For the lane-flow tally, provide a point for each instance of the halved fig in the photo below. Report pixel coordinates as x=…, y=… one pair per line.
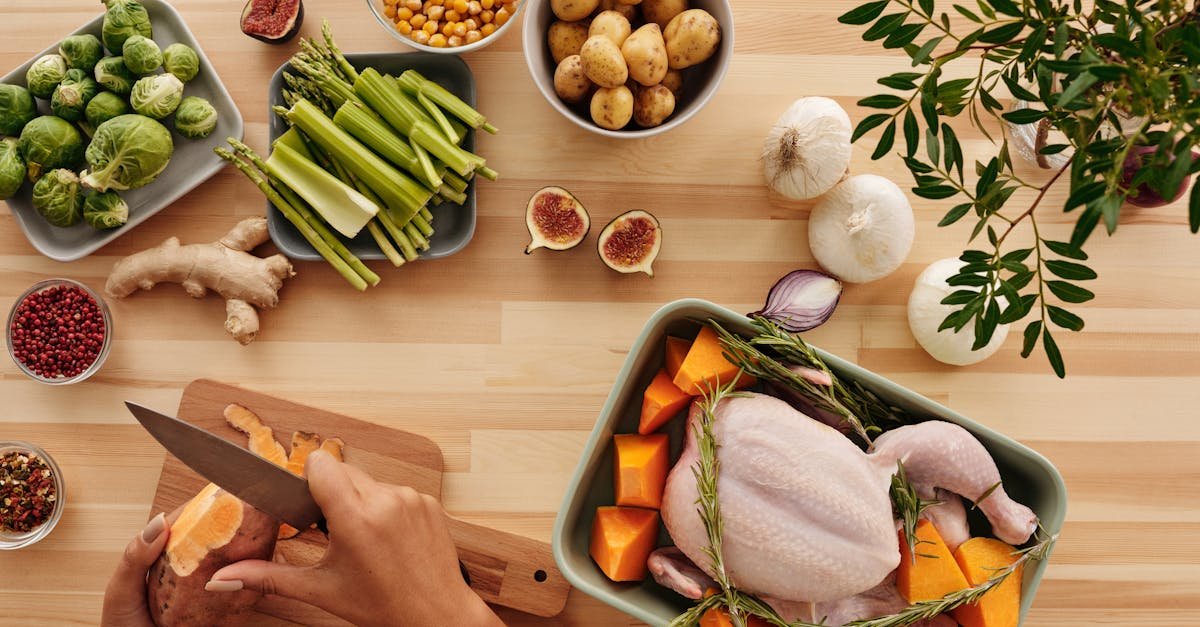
x=272, y=21
x=630, y=242
x=556, y=220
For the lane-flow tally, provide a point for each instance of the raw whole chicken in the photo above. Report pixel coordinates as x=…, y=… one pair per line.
x=807, y=515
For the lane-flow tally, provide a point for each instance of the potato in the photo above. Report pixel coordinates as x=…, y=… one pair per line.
x=662, y=11
x=570, y=81
x=610, y=24
x=691, y=38
x=566, y=38
x=210, y=532
x=652, y=105
x=612, y=107
x=645, y=55
x=628, y=10
x=573, y=10
x=603, y=63
x=673, y=80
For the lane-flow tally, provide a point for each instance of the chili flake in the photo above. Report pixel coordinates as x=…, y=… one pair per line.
x=27, y=492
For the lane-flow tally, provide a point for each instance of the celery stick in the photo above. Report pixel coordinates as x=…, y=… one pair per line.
x=427, y=214
x=439, y=118
x=426, y=164
x=456, y=182
x=346, y=210
x=448, y=193
x=294, y=140
x=317, y=225
x=356, y=120
x=414, y=234
x=384, y=245
x=397, y=233
x=413, y=83
x=422, y=225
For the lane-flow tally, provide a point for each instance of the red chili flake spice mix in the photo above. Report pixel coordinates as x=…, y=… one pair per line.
x=27, y=493
x=58, y=332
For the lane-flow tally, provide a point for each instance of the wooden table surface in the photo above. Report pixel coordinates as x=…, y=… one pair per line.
x=505, y=359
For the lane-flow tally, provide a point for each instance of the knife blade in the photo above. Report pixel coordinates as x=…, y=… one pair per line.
x=250, y=477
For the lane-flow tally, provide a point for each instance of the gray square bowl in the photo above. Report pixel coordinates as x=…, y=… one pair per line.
x=1028, y=477
x=192, y=163
x=453, y=225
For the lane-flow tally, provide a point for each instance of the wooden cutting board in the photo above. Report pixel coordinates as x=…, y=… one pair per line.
x=505, y=569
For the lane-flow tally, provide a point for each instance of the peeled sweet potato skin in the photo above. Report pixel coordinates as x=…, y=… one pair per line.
x=177, y=601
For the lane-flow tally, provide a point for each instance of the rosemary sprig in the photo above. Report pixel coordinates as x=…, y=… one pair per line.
x=860, y=408
x=908, y=506
x=924, y=610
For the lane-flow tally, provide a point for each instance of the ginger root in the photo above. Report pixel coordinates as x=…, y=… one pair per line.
x=225, y=267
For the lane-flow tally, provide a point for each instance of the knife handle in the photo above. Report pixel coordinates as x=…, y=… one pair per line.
x=510, y=570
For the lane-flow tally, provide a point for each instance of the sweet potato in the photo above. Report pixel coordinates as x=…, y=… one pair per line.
x=705, y=366
x=979, y=559
x=209, y=532
x=262, y=438
x=303, y=443
x=933, y=573
x=622, y=539
x=640, y=468
x=661, y=402
x=677, y=349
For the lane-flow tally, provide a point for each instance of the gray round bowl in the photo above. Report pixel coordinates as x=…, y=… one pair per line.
x=700, y=82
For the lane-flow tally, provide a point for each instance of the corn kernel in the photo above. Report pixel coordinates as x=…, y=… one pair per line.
x=413, y=5
x=486, y=17
x=404, y=28
x=420, y=37
x=487, y=29
x=502, y=16
x=436, y=13
x=473, y=36
x=487, y=4
x=474, y=8
x=454, y=41
x=436, y=3
x=418, y=20
x=430, y=27
x=453, y=16
x=390, y=11
x=404, y=14
x=448, y=29
x=461, y=6
x=471, y=24
x=438, y=41
x=390, y=2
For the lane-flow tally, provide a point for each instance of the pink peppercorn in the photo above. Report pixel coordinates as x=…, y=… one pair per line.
x=58, y=332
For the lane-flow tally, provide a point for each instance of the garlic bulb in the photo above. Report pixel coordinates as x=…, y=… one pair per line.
x=862, y=230
x=808, y=150
x=926, y=313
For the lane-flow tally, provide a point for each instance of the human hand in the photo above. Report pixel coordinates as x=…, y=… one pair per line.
x=390, y=559
x=125, y=596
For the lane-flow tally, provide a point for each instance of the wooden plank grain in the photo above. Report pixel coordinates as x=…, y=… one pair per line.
x=504, y=360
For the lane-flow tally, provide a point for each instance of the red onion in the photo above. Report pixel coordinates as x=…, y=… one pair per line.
x=1143, y=195
x=802, y=300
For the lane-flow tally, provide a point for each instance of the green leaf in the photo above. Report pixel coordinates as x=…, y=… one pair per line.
x=1062, y=36
x=903, y=35
x=1069, y=271
x=985, y=326
x=960, y=297
x=1108, y=72
x=1020, y=280
x=912, y=133
x=972, y=256
x=1194, y=208
x=1002, y=34
x=884, y=27
x=1064, y=318
x=882, y=101
x=1017, y=90
x=863, y=14
x=967, y=13
x=1076, y=88
x=955, y=214
x=969, y=280
x=1084, y=194
x=868, y=123
x=937, y=192
x=900, y=80
x=953, y=150
x=932, y=148
x=1084, y=226
x=926, y=7
x=1066, y=250
x=1110, y=209
x=986, y=10
x=1020, y=254
x=1024, y=116
x=1032, y=330
x=1007, y=7
x=1069, y=292
x=886, y=140
x=1055, y=357
x=926, y=50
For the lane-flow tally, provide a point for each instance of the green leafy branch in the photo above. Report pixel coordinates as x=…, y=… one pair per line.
x=1111, y=78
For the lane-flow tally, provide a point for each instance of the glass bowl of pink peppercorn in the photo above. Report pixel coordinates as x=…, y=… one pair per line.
x=59, y=332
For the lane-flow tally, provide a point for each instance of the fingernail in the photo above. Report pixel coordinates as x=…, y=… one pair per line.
x=227, y=585
x=154, y=529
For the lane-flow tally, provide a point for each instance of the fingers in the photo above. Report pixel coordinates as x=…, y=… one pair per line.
x=125, y=596
x=331, y=484
x=294, y=582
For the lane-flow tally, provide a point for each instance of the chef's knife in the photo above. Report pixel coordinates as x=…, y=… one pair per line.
x=502, y=568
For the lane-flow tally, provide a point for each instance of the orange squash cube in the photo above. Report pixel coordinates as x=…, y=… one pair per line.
x=705, y=366
x=933, y=573
x=640, y=467
x=660, y=403
x=979, y=559
x=677, y=349
x=622, y=539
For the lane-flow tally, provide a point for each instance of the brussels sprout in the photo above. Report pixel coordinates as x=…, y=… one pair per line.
x=127, y=151
x=16, y=109
x=142, y=55
x=113, y=75
x=49, y=142
x=12, y=168
x=195, y=118
x=123, y=19
x=182, y=61
x=58, y=197
x=81, y=52
x=156, y=96
x=45, y=74
x=105, y=210
x=73, y=94
x=104, y=107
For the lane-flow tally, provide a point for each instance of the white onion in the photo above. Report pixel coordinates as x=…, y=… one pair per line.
x=926, y=313
x=808, y=150
x=862, y=230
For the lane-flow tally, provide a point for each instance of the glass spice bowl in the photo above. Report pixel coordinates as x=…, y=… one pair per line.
x=42, y=286
x=11, y=540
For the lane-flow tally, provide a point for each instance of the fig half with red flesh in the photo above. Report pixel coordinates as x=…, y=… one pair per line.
x=272, y=21
x=630, y=243
x=556, y=220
